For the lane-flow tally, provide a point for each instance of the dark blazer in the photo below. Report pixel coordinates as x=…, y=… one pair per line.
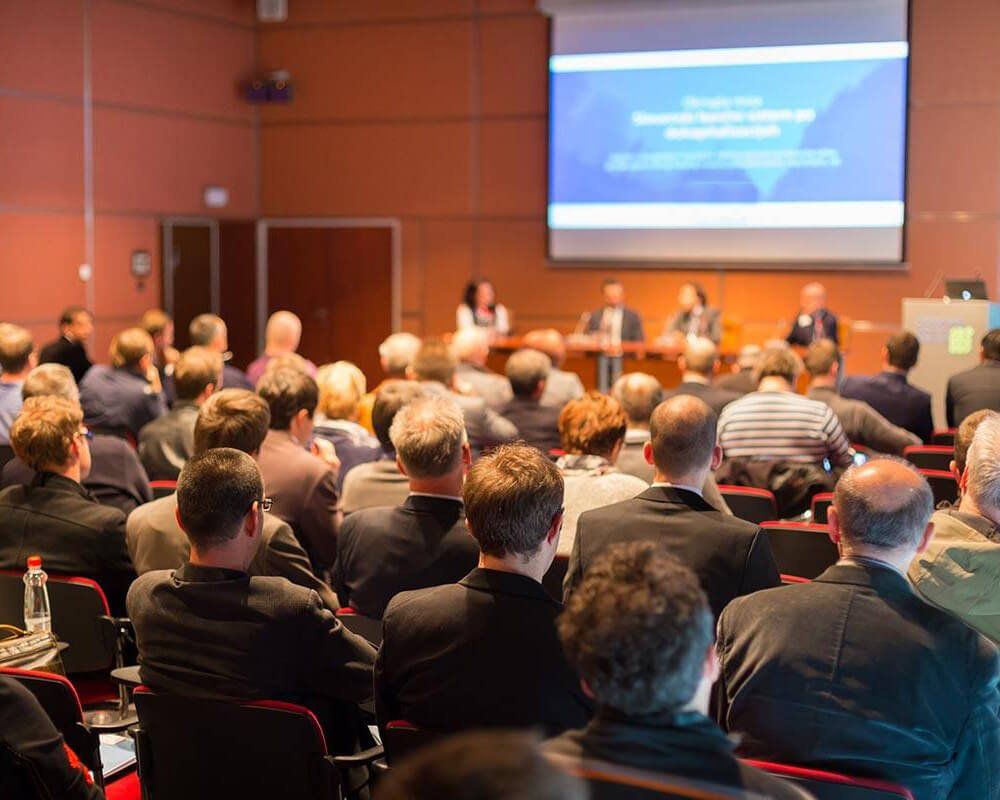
x=536, y=424
x=233, y=378
x=69, y=354
x=384, y=551
x=116, y=478
x=480, y=653
x=730, y=556
x=58, y=519
x=682, y=745
x=354, y=445
x=891, y=395
x=973, y=390
x=855, y=673
x=740, y=382
x=166, y=443
x=117, y=400
x=708, y=325
x=632, y=330
x=716, y=398
x=805, y=335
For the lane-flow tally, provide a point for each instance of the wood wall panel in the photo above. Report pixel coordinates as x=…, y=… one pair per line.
x=512, y=167
x=239, y=12
x=412, y=255
x=448, y=258
x=304, y=12
x=514, y=54
x=116, y=292
x=34, y=248
x=41, y=43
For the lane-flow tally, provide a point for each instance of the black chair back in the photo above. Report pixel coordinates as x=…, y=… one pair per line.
x=833, y=785
x=553, y=579
x=6, y=454
x=750, y=504
x=367, y=627
x=162, y=488
x=820, y=505
x=946, y=437
x=930, y=456
x=401, y=738
x=800, y=549
x=943, y=485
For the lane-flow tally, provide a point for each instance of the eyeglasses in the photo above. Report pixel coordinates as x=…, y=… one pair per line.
x=86, y=433
x=264, y=503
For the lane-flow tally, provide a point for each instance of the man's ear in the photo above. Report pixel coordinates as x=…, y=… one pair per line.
x=585, y=688
x=833, y=523
x=253, y=523
x=555, y=528
x=400, y=467
x=177, y=516
x=712, y=667
x=647, y=453
x=466, y=456
x=963, y=477
x=925, y=540
x=717, y=455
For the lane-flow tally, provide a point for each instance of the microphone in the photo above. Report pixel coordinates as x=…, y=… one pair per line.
x=934, y=283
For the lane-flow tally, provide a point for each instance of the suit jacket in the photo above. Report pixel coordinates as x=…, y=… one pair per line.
x=855, y=673
x=973, y=390
x=716, y=398
x=354, y=445
x=377, y=483
x=155, y=541
x=632, y=330
x=493, y=388
x=116, y=478
x=117, y=400
x=708, y=325
x=304, y=490
x=682, y=744
x=731, y=557
x=58, y=519
x=220, y=634
x=538, y=425
x=561, y=387
x=234, y=378
x=740, y=382
x=166, y=443
x=894, y=398
x=384, y=551
x=805, y=335
x=484, y=426
x=480, y=653
x=69, y=354
x=863, y=424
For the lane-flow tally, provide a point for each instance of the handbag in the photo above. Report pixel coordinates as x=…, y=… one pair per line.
x=38, y=651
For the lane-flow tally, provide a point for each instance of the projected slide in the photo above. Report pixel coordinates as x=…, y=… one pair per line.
x=752, y=153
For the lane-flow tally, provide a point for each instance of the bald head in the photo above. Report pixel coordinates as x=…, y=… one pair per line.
x=683, y=435
x=397, y=352
x=812, y=297
x=471, y=345
x=699, y=356
x=284, y=330
x=882, y=505
x=548, y=341
x=639, y=394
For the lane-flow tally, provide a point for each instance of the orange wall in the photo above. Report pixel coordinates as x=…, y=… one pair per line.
x=435, y=112
x=166, y=120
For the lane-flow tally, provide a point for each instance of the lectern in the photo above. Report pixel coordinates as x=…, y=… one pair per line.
x=949, y=332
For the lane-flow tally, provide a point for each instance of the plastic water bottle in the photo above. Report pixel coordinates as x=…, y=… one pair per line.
x=37, y=614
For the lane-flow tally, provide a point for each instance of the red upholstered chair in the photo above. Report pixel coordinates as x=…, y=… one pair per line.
x=945, y=437
x=943, y=484
x=800, y=549
x=834, y=785
x=553, y=579
x=366, y=627
x=753, y=505
x=926, y=456
x=400, y=738
x=125, y=788
x=820, y=504
x=162, y=488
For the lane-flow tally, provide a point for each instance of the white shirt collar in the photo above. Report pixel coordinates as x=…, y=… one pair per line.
x=438, y=496
x=666, y=485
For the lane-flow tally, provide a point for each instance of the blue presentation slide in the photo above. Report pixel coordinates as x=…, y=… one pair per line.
x=799, y=136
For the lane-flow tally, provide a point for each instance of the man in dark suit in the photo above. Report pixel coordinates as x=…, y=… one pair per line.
x=537, y=424
x=889, y=393
x=54, y=516
x=741, y=380
x=814, y=321
x=976, y=388
x=614, y=319
x=730, y=556
x=640, y=634
x=471, y=347
x=853, y=672
x=496, y=627
x=424, y=542
x=75, y=326
x=697, y=365
x=260, y=637
x=208, y=330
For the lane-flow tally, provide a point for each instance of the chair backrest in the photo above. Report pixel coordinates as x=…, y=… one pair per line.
x=746, y=502
x=800, y=549
x=193, y=749
x=820, y=505
x=834, y=785
x=553, y=579
x=400, y=738
x=930, y=456
x=943, y=485
x=946, y=437
x=366, y=627
x=6, y=454
x=162, y=488
x=79, y=618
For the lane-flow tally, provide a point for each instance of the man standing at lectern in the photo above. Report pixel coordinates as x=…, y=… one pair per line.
x=814, y=321
x=614, y=319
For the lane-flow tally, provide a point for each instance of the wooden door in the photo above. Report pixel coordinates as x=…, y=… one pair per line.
x=187, y=292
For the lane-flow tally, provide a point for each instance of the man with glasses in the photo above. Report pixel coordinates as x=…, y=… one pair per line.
x=54, y=516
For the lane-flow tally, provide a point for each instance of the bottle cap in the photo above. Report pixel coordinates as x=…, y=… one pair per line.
x=34, y=562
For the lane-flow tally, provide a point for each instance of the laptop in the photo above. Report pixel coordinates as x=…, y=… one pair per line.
x=964, y=289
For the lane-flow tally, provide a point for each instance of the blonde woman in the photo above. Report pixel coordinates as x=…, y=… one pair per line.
x=341, y=387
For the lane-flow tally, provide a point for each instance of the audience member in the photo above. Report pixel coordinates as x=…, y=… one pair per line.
x=889, y=393
x=208, y=330
x=116, y=478
x=730, y=556
x=814, y=320
x=561, y=386
x=301, y=481
x=852, y=671
x=471, y=347
x=741, y=378
x=963, y=441
x=640, y=634
x=76, y=325
x=422, y=542
x=160, y=327
x=270, y=639
x=537, y=424
x=166, y=443
x=862, y=424
x=237, y=419
x=54, y=516
x=480, y=765
x=17, y=359
x=395, y=355
x=484, y=652
x=592, y=430
x=281, y=337
x=697, y=364
x=341, y=387
x=124, y=397
x=434, y=366
x=380, y=483
x=976, y=388
x=960, y=570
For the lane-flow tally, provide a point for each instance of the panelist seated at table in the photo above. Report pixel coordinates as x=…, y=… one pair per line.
x=614, y=320
x=480, y=309
x=814, y=320
x=694, y=319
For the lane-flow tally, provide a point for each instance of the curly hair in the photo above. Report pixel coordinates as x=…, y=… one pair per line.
x=592, y=425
